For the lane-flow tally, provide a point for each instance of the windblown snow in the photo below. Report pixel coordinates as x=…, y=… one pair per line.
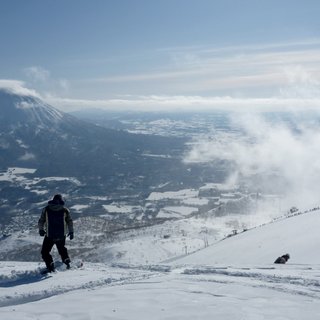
x=231, y=279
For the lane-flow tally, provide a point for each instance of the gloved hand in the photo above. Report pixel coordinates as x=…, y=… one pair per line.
x=42, y=233
x=70, y=235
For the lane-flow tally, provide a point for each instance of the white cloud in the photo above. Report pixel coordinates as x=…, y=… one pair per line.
x=37, y=73
x=301, y=83
x=297, y=96
x=47, y=85
x=257, y=71
x=17, y=87
x=245, y=78
x=277, y=152
x=188, y=103
x=296, y=87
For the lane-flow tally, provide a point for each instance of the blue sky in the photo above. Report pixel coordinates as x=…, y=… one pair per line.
x=163, y=54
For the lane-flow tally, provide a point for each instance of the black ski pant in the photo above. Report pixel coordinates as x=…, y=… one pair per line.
x=47, y=246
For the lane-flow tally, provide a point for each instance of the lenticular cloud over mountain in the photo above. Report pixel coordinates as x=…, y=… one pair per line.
x=17, y=87
x=281, y=154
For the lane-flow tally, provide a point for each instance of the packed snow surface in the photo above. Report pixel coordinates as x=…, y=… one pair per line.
x=232, y=279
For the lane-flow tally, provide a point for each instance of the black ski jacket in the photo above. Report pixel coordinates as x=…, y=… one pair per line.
x=55, y=220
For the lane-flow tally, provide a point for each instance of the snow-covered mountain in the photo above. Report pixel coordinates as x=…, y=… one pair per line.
x=17, y=110
x=60, y=153
x=232, y=279
x=34, y=134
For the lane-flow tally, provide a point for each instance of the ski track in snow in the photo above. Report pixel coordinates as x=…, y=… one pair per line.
x=19, y=287
x=306, y=282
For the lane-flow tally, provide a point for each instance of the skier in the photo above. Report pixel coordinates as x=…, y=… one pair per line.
x=55, y=224
x=283, y=259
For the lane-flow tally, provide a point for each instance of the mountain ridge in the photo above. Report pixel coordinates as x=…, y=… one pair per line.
x=27, y=121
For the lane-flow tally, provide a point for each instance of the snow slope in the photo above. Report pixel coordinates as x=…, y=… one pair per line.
x=298, y=235
x=232, y=279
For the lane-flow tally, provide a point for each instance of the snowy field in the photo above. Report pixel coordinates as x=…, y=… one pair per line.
x=232, y=279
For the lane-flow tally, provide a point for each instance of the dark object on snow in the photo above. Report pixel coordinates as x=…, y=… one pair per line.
x=283, y=259
x=55, y=223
